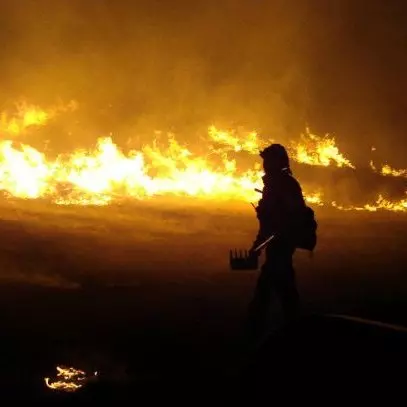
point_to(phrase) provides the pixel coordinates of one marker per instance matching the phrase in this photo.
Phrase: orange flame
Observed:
(26, 116)
(380, 204)
(311, 149)
(97, 177)
(314, 198)
(316, 150)
(106, 173)
(386, 170)
(68, 379)
(248, 142)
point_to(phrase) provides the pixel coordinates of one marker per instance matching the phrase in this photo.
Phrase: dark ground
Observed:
(144, 295)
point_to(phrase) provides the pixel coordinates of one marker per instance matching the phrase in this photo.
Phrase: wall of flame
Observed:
(208, 170)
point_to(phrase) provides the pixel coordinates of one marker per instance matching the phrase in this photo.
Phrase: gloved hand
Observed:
(253, 253)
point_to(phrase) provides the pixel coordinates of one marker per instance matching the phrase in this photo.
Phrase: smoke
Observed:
(179, 66)
(157, 64)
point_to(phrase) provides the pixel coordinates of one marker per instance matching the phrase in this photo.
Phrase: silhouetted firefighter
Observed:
(282, 213)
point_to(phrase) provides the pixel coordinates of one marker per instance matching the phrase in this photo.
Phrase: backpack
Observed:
(304, 229)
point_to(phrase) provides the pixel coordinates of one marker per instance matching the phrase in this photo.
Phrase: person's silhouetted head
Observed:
(275, 158)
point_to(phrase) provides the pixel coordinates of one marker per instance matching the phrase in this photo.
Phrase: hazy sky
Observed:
(339, 66)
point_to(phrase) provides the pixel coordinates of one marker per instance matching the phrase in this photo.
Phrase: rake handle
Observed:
(261, 245)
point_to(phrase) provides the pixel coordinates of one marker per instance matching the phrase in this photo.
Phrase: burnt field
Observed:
(142, 291)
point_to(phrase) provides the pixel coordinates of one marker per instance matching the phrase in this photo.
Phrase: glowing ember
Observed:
(68, 379)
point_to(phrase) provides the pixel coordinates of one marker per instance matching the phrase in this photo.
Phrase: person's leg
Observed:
(287, 284)
(277, 277)
(259, 306)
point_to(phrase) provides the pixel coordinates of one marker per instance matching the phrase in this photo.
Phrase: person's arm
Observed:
(265, 214)
(276, 207)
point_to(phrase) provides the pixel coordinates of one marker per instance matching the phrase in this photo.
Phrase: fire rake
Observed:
(245, 259)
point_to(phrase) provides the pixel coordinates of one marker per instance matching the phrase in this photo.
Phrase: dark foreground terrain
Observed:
(143, 295)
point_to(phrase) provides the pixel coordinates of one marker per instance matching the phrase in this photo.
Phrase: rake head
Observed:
(242, 260)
